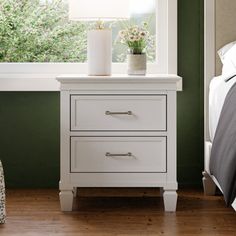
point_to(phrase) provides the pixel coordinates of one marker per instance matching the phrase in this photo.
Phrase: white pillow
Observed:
(228, 67)
(224, 50)
(228, 57)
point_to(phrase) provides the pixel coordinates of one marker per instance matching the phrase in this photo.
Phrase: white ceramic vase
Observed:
(137, 64)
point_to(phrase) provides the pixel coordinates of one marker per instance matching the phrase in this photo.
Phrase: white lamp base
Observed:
(99, 52)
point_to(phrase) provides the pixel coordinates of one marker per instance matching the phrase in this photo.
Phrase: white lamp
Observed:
(99, 40)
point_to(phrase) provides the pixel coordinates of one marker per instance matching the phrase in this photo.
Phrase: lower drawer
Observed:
(118, 154)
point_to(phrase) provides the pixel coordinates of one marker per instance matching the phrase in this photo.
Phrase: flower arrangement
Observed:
(136, 38)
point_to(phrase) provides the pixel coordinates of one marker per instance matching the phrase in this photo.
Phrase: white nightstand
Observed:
(118, 131)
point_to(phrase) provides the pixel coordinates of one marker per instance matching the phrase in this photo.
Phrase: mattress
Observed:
(219, 88)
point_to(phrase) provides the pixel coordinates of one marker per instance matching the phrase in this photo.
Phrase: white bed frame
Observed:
(220, 21)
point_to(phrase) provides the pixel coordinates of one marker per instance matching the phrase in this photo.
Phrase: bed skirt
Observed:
(2, 196)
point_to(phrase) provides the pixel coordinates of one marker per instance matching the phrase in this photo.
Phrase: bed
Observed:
(220, 87)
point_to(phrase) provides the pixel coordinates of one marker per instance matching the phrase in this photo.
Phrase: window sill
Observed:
(29, 76)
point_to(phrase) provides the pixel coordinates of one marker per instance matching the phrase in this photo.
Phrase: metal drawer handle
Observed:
(109, 113)
(129, 154)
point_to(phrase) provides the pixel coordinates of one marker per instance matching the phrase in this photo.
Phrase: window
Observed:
(45, 43)
(40, 31)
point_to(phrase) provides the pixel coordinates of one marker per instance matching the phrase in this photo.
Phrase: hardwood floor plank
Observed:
(103, 212)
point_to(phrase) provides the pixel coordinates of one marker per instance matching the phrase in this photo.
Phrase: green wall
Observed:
(191, 100)
(29, 121)
(29, 138)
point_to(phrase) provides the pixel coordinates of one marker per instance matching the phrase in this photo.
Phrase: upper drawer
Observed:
(118, 113)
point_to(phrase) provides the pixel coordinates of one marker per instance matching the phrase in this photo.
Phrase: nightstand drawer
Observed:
(118, 113)
(118, 154)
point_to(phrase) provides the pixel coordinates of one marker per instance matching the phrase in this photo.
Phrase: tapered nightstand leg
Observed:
(75, 191)
(208, 185)
(161, 191)
(66, 200)
(170, 200)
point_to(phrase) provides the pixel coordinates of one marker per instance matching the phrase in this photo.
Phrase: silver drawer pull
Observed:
(109, 113)
(129, 154)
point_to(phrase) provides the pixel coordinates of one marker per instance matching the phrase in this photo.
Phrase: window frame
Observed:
(38, 76)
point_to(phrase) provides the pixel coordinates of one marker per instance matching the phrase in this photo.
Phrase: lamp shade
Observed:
(84, 10)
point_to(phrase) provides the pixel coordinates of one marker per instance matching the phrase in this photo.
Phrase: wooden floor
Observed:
(37, 212)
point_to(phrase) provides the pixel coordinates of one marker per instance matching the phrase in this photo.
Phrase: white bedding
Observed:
(217, 94)
(234, 204)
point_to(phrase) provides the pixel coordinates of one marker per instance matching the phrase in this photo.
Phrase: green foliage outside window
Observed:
(33, 31)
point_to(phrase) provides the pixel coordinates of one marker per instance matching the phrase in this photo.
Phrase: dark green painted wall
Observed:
(191, 100)
(29, 138)
(29, 121)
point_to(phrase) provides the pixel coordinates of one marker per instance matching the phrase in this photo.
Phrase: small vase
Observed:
(137, 64)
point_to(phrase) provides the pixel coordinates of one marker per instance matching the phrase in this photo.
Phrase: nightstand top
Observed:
(118, 76)
(69, 79)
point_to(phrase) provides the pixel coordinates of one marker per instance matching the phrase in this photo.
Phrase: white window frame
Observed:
(41, 76)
